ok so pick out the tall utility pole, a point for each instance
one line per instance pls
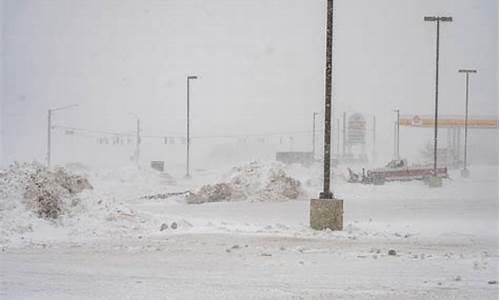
(188, 138)
(138, 141)
(396, 135)
(465, 172)
(137, 138)
(49, 131)
(49, 138)
(327, 212)
(344, 134)
(314, 134)
(338, 138)
(327, 194)
(374, 143)
(438, 20)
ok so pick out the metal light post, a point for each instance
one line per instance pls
(327, 212)
(314, 135)
(137, 138)
(465, 171)
(374, 143)
(344, 134)
(49, 130)
(396, 136)
(338, 138)
(49, 137)
(188, 140)
(327, 194)
(438, 20)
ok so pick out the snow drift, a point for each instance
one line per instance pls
(37, 203)
(252, 181)
(46, 193)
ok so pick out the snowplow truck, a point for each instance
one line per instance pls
(396, 170)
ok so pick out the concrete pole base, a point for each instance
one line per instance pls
(326, 213)
(465, 173)
(435, 181)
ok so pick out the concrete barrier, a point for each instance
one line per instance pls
(326, 213)
(435, 181)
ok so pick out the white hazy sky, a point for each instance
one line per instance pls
(260, 62)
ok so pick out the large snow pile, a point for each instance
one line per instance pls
(252, 181)
(214, 193)
(39, 204)
(46, 193)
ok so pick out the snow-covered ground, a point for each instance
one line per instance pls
(111, 246)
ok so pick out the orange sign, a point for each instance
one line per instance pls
(426, 121)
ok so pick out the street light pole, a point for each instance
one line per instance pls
(137, 138)
(327, 212)
(465, 172)
(396, 136)
(49, 138)
(438, 20)
(314, 135)
(138, 141)
(49, 130)
(327, 194)
(188, 139)
(344, 134)
(374, 143)
(338, 138)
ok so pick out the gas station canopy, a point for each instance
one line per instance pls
(450, 122)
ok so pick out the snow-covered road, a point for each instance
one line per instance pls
(446, 243)
(228, 266)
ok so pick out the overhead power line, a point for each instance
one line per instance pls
(214, 136)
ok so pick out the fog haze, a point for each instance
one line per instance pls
(100, 197)
(260, 66)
